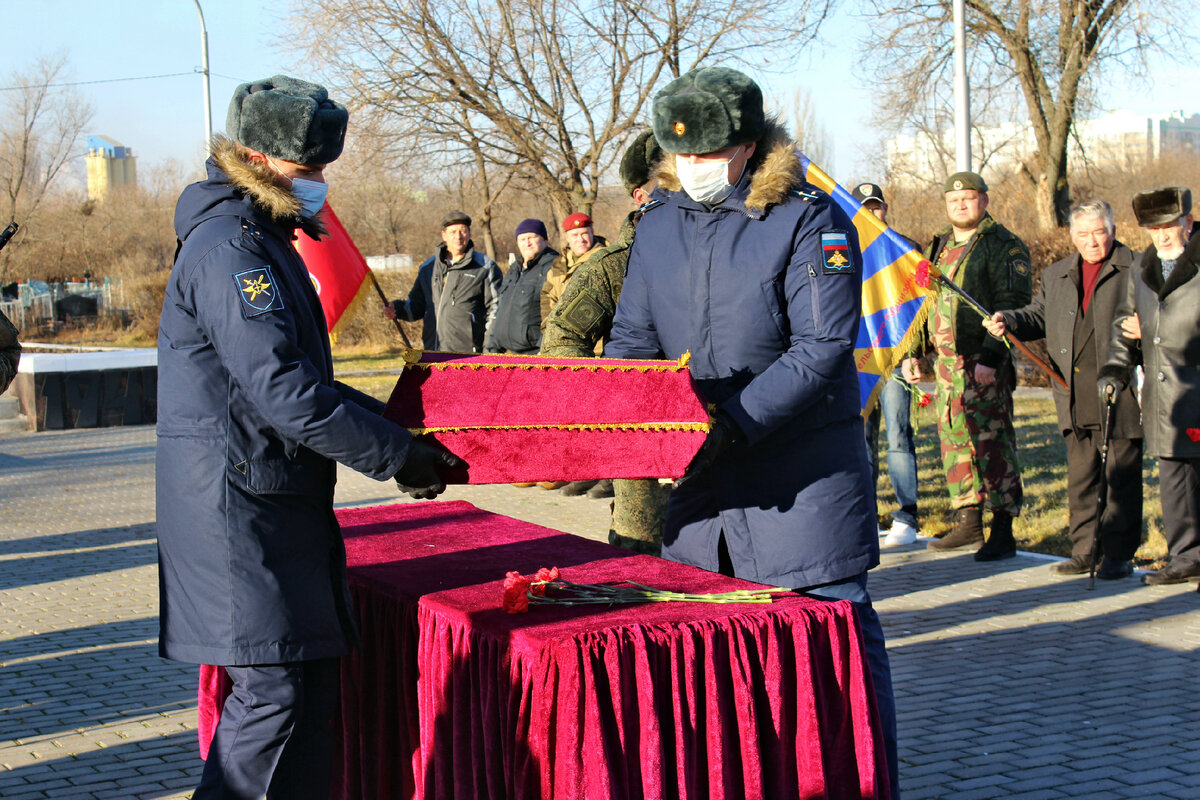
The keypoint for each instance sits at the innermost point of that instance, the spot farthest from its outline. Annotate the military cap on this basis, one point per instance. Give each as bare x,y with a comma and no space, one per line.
708,109
455,218
576,220
1162,206
868,191
289,119
965,180
637,165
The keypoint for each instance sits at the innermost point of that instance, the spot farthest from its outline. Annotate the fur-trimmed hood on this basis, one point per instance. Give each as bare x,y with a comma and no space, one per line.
233,184
774,169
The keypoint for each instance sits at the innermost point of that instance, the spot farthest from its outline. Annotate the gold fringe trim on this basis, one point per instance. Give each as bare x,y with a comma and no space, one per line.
412,359
600,426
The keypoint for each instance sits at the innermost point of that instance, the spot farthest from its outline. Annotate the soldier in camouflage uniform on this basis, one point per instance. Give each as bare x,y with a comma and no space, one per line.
10,352
975,374
583,317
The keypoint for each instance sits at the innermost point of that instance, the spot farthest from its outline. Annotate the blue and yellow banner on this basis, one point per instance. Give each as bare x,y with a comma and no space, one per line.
892,303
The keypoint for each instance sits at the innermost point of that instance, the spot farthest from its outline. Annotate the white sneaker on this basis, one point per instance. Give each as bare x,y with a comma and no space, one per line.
900,534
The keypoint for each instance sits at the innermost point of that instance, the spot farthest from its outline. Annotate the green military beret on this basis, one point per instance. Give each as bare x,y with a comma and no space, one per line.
289,119
1162,206
708,109
638,162
965,180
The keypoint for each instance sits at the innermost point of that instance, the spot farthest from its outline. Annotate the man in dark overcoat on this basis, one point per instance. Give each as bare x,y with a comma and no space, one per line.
757,274
252,568
1161,313
1073,311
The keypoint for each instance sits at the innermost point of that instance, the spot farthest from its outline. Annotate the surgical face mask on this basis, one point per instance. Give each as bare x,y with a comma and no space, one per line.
311,195
704,181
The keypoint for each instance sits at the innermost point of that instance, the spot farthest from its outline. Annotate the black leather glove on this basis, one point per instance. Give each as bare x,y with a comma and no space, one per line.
723,435
1111,383
419,476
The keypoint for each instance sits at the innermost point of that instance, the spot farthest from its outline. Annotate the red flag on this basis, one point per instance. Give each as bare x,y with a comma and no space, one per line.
338,271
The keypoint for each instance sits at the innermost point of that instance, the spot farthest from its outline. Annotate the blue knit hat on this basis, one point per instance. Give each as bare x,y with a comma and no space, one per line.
532,226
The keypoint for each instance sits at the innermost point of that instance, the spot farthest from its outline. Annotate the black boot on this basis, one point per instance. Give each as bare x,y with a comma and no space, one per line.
1000,543
967,530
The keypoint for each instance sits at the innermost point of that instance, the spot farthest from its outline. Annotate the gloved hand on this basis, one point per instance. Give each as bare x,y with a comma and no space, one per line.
1110,383
723,435
419,476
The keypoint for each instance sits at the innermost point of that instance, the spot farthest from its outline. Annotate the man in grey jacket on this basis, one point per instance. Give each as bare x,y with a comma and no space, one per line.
1159,314
456,292
1073,311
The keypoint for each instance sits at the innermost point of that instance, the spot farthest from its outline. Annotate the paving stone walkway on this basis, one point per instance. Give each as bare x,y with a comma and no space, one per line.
1010,682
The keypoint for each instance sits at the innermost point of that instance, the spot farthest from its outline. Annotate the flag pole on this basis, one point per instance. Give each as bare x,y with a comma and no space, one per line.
384,300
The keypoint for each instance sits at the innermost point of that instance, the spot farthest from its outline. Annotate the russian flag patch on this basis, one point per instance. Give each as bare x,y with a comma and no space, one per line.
835,250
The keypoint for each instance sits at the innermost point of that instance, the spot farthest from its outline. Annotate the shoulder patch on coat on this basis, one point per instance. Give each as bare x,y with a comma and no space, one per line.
1020,266
258,291
835,253
584,313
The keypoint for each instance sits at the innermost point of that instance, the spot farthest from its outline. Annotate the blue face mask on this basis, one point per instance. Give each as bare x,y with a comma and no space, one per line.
311,195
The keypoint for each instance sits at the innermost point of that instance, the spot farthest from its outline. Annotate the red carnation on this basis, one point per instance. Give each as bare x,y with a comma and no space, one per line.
922,276
1194,434
543,576
925,399
516,593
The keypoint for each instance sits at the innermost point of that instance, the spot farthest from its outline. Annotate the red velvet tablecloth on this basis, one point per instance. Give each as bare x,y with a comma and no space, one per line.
452,697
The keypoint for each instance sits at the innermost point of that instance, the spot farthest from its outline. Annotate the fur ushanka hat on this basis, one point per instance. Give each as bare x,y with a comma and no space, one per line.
289,119
637,165
1162,206
708,109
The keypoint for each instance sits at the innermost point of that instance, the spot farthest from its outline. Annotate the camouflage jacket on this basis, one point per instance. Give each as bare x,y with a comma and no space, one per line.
583,315
993,269
10,352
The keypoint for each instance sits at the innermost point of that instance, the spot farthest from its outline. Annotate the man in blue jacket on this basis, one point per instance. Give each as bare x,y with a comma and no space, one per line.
252,568
757,275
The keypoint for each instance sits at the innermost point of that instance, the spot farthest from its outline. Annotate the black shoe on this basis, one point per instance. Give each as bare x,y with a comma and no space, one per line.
1112,569
1075,565
601,489
576,488
967,530
1000,543
1172,574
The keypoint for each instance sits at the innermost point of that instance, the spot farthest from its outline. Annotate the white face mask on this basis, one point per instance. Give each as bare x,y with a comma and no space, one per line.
704,181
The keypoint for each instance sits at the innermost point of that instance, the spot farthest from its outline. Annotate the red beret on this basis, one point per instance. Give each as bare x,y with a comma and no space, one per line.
576,220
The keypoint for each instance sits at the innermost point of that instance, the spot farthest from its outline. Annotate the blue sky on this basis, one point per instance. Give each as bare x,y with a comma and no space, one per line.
163,118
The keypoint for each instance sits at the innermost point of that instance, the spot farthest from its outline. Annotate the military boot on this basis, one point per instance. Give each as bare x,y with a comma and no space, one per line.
1000,543
967,530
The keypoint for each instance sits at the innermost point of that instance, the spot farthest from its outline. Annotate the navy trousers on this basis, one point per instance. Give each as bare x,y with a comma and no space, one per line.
275,737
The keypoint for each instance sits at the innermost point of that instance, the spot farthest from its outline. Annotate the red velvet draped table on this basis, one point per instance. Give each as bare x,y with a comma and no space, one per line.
450,696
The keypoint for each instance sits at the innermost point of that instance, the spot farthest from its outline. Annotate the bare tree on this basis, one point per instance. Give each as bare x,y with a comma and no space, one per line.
1051,53
542,93
39,127
812,137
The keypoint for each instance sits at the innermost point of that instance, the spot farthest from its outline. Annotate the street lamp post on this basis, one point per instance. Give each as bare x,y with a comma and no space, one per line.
207,86
962,97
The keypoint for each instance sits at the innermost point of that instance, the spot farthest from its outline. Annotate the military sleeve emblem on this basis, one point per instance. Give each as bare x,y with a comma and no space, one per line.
835,251
584,313
258,291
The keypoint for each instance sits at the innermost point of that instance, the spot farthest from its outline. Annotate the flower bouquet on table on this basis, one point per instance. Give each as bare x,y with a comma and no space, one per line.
548,586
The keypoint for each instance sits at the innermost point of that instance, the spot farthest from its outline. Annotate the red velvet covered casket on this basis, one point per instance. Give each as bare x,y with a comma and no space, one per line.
526,418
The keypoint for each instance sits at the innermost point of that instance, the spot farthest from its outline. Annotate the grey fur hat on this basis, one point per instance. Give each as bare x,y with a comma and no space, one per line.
289,119
708,109
637,165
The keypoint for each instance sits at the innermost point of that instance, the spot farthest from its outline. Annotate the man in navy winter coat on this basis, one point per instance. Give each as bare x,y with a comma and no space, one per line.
250,425
757,275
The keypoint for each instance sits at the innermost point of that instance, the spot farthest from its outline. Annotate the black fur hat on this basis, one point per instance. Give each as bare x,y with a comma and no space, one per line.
289,119
1162,206
708,109
637,164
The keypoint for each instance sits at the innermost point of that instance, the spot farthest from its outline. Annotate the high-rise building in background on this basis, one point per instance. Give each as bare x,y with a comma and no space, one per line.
110,165
1118,140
